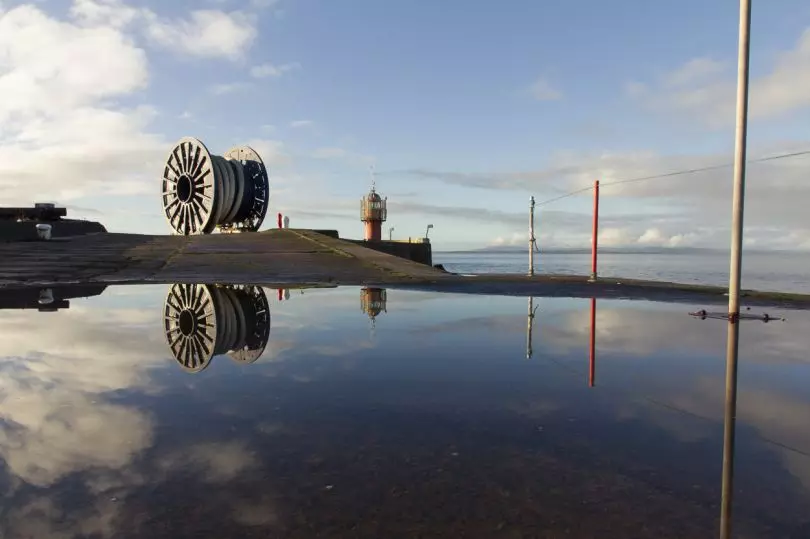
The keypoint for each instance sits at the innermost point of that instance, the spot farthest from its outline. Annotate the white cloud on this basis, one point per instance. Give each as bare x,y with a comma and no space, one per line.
298,124
103,13
706,87
264,3
207,33
44,65
272,152
689,209
62,136
269,70
517,238
329,153
341,154
542,90
697,70
229,88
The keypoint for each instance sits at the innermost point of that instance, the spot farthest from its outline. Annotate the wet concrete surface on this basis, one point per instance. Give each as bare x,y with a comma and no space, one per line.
306,258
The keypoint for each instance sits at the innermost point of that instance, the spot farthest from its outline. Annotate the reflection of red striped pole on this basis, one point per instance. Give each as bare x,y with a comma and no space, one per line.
592,362
594,241
280,294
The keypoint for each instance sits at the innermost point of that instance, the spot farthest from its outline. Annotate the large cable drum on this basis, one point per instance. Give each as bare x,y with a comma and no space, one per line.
202,321
202,192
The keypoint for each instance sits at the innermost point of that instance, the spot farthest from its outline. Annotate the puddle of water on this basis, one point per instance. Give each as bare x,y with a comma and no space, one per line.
188,411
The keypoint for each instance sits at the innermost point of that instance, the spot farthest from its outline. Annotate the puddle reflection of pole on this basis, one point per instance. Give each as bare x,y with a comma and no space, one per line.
729,427
530,327
592,348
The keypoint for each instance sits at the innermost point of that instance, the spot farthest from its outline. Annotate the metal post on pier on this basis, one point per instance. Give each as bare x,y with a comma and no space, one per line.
732,343
595,232
532,239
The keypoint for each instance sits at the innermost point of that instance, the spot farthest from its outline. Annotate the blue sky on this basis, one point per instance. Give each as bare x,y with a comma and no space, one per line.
465,109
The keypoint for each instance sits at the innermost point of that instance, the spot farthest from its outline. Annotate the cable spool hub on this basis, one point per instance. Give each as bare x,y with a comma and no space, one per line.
202,192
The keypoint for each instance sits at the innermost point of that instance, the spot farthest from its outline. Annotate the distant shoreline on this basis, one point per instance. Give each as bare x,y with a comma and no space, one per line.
621,251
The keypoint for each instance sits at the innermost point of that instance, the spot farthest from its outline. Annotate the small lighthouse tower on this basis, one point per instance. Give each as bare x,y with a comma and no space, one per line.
373,212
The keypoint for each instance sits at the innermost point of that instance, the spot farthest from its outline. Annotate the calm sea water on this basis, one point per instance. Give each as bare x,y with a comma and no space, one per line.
787,272
216,411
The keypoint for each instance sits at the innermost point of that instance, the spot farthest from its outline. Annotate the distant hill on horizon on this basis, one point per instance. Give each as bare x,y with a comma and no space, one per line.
509,249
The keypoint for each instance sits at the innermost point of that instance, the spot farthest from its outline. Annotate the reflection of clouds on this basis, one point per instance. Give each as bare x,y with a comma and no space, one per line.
55,420
776,416
214,462
660,334
54,434
42,517
261,512
641,329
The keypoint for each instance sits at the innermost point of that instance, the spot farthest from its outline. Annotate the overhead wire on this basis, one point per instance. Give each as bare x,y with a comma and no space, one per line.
671,174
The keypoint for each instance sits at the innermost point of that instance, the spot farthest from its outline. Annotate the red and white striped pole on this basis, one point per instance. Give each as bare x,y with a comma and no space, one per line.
595,234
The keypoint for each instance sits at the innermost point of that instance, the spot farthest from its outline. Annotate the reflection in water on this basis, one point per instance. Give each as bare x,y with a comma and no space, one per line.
201,321
88,436
729,428
47,299
592,347
373,301
530,327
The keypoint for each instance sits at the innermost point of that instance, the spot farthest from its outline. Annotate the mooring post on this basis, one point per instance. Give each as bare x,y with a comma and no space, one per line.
531,236
595,233
592,348
732,342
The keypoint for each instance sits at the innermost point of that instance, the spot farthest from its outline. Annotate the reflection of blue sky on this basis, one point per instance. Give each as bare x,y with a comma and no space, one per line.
97,398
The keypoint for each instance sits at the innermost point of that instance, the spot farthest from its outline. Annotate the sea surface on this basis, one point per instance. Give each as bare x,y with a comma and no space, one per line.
162,411
781,271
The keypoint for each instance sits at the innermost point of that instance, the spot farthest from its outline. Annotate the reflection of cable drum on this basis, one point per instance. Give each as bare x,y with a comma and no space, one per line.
202,321
202,192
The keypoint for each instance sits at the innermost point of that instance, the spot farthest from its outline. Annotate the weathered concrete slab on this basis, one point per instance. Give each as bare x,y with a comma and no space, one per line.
277,256
289,257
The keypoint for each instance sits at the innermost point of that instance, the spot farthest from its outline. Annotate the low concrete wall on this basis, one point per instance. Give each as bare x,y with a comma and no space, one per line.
417,252
62,228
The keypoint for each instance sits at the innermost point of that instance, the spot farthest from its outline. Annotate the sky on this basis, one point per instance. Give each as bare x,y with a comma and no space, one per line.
464,109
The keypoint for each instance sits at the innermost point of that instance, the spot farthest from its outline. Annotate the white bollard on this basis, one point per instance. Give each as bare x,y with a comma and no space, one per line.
43,231
286,222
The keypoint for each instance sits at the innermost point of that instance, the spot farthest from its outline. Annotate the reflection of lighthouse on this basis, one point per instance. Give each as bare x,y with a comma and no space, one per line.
373,301
373,212
202,321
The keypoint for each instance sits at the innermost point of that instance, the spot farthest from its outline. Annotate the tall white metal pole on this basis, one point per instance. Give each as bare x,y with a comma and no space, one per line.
732,342
531,236
739,160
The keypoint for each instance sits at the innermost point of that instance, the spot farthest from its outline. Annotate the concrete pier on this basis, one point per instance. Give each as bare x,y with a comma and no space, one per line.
289,257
